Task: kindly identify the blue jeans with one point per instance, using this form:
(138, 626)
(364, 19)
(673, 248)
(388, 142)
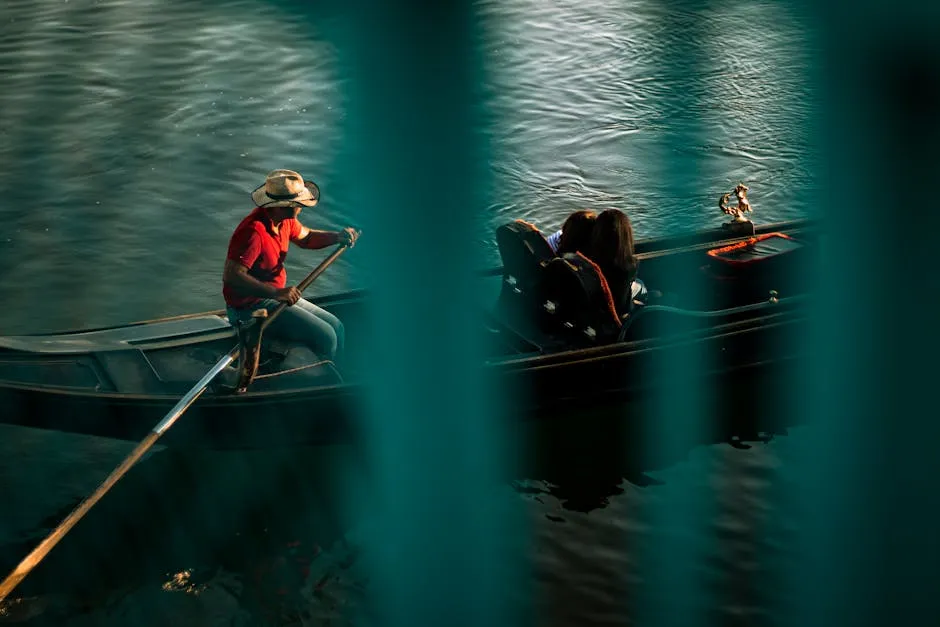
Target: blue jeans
(301, 322)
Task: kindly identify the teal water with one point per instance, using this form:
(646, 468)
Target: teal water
(130, 136)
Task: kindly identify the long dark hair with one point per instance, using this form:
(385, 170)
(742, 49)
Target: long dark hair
(611, 245)
(576, 232)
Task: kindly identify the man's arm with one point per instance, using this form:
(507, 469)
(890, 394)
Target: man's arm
(312, 238)
(236, 275)
(243, 251)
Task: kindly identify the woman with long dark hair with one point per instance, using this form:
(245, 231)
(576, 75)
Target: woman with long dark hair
(611, 248)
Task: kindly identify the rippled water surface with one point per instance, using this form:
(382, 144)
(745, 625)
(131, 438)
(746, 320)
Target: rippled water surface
(130, 136)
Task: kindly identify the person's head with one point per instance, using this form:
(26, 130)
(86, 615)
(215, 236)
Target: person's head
(612, 242)
(576, 232)
(284, 194)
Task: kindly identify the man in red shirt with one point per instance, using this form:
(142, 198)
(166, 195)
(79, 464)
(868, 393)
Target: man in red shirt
(254, 275)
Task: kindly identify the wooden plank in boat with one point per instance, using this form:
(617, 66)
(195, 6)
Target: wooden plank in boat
(130, 372)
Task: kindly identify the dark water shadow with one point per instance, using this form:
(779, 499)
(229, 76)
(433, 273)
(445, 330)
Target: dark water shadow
(584, 459)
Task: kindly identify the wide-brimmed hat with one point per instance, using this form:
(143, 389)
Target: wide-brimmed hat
(284, 188)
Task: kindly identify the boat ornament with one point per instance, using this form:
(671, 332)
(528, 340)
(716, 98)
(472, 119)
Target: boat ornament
(743, 207)
(740, 221)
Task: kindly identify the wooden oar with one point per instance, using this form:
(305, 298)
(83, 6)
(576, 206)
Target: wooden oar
(39, 553)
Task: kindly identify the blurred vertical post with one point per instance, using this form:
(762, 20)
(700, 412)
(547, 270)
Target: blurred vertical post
(869, 552)
(680, 416)
(419, 175)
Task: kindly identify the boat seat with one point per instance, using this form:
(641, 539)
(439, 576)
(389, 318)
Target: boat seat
(130, 372)
(118, 338)
(578, 302)
(525, 253)
(300, 367)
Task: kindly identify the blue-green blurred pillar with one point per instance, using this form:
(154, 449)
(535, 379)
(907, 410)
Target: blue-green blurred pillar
(420, 177)
(674, 592)
(870, 552)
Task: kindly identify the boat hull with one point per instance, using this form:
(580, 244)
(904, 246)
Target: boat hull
(748, 369)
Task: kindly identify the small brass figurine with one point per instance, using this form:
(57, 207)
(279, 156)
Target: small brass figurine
(739, 224)
(736, 213)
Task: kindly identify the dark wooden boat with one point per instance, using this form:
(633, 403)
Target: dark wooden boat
(119, 381)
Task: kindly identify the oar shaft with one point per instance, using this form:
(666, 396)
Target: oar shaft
(39, 553)
(36, 556)
(195, 393)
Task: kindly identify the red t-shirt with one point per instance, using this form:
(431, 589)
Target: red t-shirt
(258, 248)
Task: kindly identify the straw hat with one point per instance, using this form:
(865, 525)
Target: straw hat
(284, 188)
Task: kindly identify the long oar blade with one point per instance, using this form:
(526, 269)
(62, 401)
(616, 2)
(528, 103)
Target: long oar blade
(36, 556)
